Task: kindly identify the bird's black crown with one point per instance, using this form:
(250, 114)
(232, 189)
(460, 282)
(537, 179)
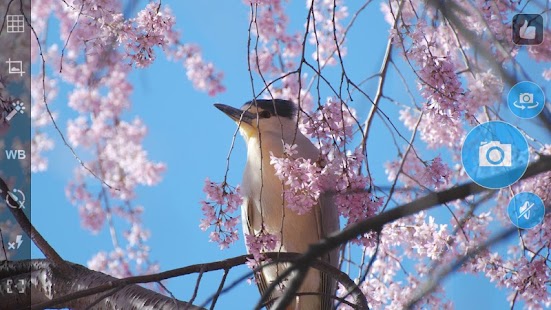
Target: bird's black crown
(279, 107)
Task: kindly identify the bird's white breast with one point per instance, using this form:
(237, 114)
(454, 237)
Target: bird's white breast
(263, 190)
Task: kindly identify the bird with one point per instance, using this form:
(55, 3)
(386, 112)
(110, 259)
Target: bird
(266, 125)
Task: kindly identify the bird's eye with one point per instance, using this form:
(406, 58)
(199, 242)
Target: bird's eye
(265, 114)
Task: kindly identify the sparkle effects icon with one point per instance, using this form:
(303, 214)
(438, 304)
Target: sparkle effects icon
(18, 107)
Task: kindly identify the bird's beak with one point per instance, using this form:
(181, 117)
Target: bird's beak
(236, 114)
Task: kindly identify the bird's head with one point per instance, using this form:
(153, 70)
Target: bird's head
(264, 116)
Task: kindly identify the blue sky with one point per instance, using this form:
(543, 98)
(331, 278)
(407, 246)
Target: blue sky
(193, 138)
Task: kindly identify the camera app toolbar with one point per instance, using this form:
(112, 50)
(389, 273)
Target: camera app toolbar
(15, 142)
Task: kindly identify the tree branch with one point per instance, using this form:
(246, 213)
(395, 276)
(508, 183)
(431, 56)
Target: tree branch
(50, 289)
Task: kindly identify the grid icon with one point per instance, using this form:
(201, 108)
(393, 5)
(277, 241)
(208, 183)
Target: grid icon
(16, 23)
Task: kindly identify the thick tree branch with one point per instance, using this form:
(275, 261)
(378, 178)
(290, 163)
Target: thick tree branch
(48, 289)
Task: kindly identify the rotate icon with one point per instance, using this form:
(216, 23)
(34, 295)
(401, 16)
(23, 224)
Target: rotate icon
(526, 99)
(526, 210)
(495, 154)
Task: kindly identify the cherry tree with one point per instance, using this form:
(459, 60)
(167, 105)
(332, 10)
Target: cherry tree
(452, 62)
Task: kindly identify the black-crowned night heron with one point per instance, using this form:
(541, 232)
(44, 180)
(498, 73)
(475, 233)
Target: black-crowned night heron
(266, 125)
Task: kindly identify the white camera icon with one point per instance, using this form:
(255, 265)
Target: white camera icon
(526, 98)
(494, 154)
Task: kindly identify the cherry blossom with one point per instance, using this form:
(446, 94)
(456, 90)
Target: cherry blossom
(300, 178)
(259, 243)
(97, 50)
(219, 212)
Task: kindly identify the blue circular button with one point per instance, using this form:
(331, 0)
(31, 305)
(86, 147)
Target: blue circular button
(495, 154)
(526, 99)
(526, 210)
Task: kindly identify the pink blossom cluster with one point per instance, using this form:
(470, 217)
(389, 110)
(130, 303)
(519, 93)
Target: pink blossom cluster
(258, 244)
(353, 199)
(96, 43)
(152, 27)
(112, 263)
(276, 51)
(496, 18)
(270, 26)
(413, 172)
(491, 21)
(271, 21)
(383, 293)
(133, 257)
(329, 31)
(300, 178)
(219, 212)
(434, 49)
(356, 204)
(417, 237)
(526, 277)
(391, 8)
(117, 264)
(92, 215)
(485, 89)
(202, 74)
(436, 175)
(531, 282)
(331, 125)
(411, 239)
(102, 28)
(122, 161)
(440, 86)
(41, 142)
